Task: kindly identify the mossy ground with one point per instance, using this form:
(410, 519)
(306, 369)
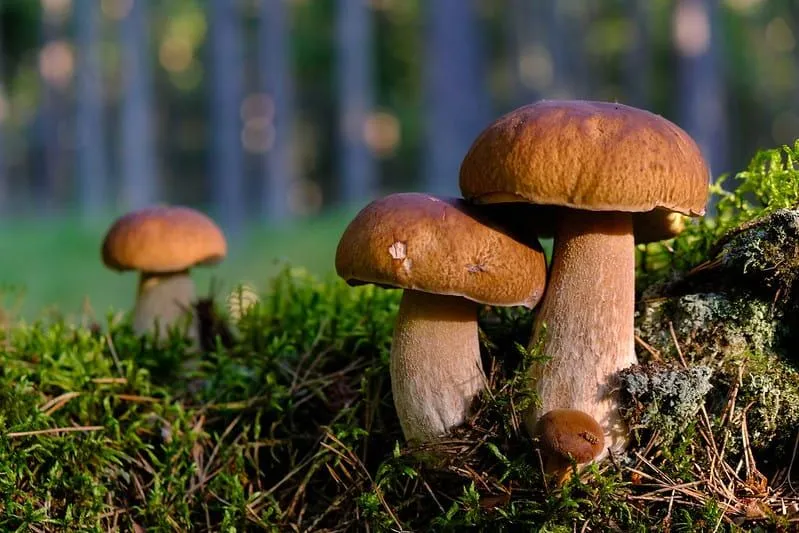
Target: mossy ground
(285, 422)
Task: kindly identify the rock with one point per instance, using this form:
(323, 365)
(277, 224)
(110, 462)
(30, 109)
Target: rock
(663, 397)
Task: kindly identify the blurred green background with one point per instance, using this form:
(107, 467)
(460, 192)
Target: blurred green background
(281, 118)
(53, 267)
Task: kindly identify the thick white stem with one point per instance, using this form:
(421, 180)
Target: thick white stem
(165, 299)
(588, 311)
(436, 369)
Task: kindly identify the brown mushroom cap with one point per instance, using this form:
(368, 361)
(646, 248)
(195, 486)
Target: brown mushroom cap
(163, 239)
(439, 245)
(569, 434)
(596, 156)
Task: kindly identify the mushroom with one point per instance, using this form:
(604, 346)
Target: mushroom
(163, 243)
(448, 258)
(566, 436)
(598, 166)
(653, 227)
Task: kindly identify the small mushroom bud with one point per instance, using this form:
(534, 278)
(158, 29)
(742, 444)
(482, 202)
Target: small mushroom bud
(566, 436)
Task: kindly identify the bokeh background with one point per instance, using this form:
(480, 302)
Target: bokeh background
(281, 118)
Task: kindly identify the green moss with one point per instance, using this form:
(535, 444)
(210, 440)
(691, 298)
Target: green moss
(766, 252)
(291, 426)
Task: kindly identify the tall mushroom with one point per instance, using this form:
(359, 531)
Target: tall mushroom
(598, 163)
(448, 258)
(163, 243)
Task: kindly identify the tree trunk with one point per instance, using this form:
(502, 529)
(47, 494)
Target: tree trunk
(701, 87)
(457, 106)
(137, 162)
(356, 98)
(227, 87)
(47, 156)
(528, 50)
(637, 70)
(566, 24)
(91, 156)
(4, 171)
(276, 81)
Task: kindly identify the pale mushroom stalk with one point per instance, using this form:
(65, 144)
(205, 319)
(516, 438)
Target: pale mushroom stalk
(436, 371)
(588, 311)
(165, 299)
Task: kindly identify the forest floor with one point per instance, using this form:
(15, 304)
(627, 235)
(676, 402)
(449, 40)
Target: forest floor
(284, 420)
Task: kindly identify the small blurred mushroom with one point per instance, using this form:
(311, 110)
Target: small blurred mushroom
(163, 243)
(449, 258)
(566, 435)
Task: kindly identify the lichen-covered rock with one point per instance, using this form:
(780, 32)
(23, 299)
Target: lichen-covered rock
(736, 314)
(708, 326)
(760, 258)
(764, 252)
(766, 391)
(663, 397)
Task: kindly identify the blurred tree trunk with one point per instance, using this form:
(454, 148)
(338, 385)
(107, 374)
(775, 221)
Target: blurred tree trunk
(137, 162)
(528, 52)
(277, 81)
(356, 98)
(90, 137)
(47, 154)
(4, 170)
(701, 88)
(227, 88)
(637, 69)
(566, 23)
(457, 105)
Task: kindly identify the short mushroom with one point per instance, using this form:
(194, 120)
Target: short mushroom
(163, 243)
(598, 166)
(448, 258)
(566, 436)
(657, 226)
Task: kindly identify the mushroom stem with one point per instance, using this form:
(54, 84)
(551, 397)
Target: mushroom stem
(164, 298)
(559, 469)
(588, 311)
(436, 369)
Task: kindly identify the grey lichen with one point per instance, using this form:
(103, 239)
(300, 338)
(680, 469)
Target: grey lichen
(664, 397)
(707, 326)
